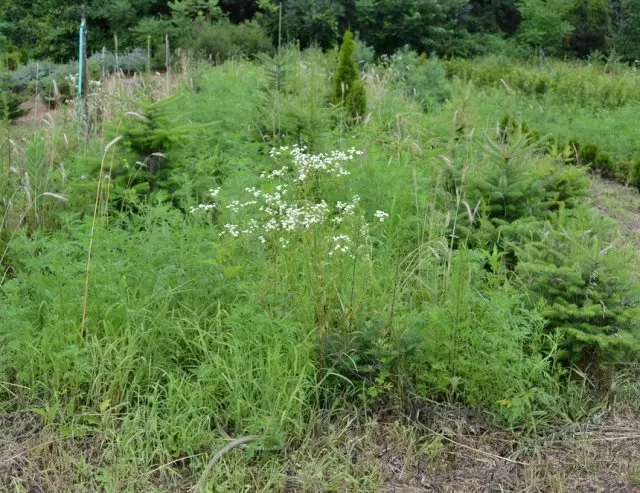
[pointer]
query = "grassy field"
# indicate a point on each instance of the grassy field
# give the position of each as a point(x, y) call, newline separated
point(440, 295)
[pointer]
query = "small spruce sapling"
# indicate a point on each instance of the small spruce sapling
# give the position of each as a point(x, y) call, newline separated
point(150, 135)
point(589, 293)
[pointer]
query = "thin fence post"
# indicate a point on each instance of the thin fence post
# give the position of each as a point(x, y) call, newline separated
point(82, 74)
point(85, 74)
point(148, 54)
point(104, 63)
point(115, 42)
point(37, 87)
point(167, 61)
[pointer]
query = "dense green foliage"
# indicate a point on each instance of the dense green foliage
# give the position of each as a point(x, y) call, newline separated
point(48, 28)
point(224, 257)
point(349, 90)
point(425, 25)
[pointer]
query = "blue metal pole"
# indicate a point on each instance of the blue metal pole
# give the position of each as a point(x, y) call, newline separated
point(81, 59)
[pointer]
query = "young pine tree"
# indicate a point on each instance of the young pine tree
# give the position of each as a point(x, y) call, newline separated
point(506, 195)
point(349, 90)
point(589, 293)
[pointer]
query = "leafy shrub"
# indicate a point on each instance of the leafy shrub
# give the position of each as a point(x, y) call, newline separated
point(224, 40)
point(307, 22)
point(60, 85)
point(627, 35)
point(421, 78)
point(635, 173)
point(471, 344)
point(604, 164)
point(425, 26)
point(591, 20)
point(544, 24)
point(588, 154)
point(623, 172)
point(364, 55)
point(130, 62)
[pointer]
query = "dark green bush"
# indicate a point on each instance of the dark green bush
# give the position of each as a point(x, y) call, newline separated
point(623, 172)
point(224, 40)
point(10, 102)
point(587, 155)
point(635, 173)
point(566, 188)
point(346, 70)
point(591, 20)
point(604, 164)
point(510, 126)
point(356, 103)
point(421, 78)
point(507, 195)
point(574, 151)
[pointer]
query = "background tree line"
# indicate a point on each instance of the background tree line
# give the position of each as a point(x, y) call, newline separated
point(46, 29)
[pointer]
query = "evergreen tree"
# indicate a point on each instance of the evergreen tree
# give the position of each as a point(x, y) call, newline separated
point(151, 135)
point(591, 20)
point(349, 90)
point(424, 25)
point(588, 292)
point(346, 71)
point(305, 21)
point(356, 103)
point(503, 200)
point(544, 25)
point(627, 36)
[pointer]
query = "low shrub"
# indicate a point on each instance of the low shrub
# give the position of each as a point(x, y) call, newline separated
point(623, 172)
point(421, 78)
point(224, 40)
point(130, 62)
point(635, 173)
point(604, 165)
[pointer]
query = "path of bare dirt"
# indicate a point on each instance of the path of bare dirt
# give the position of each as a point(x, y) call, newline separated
point(618, 202)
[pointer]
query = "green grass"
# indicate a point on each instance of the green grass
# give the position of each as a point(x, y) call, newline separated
point(174, 337)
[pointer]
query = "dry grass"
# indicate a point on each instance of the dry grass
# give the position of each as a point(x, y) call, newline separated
point(460, 453)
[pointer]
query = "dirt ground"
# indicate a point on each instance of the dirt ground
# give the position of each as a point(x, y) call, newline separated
point(450, 453)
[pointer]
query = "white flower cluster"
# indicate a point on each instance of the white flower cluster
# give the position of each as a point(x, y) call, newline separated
point(203, 208)
point(279, 213)
point(346, 209)
point(381, 216)
point(333, 164)
point(213, 193)
point(341, 244)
